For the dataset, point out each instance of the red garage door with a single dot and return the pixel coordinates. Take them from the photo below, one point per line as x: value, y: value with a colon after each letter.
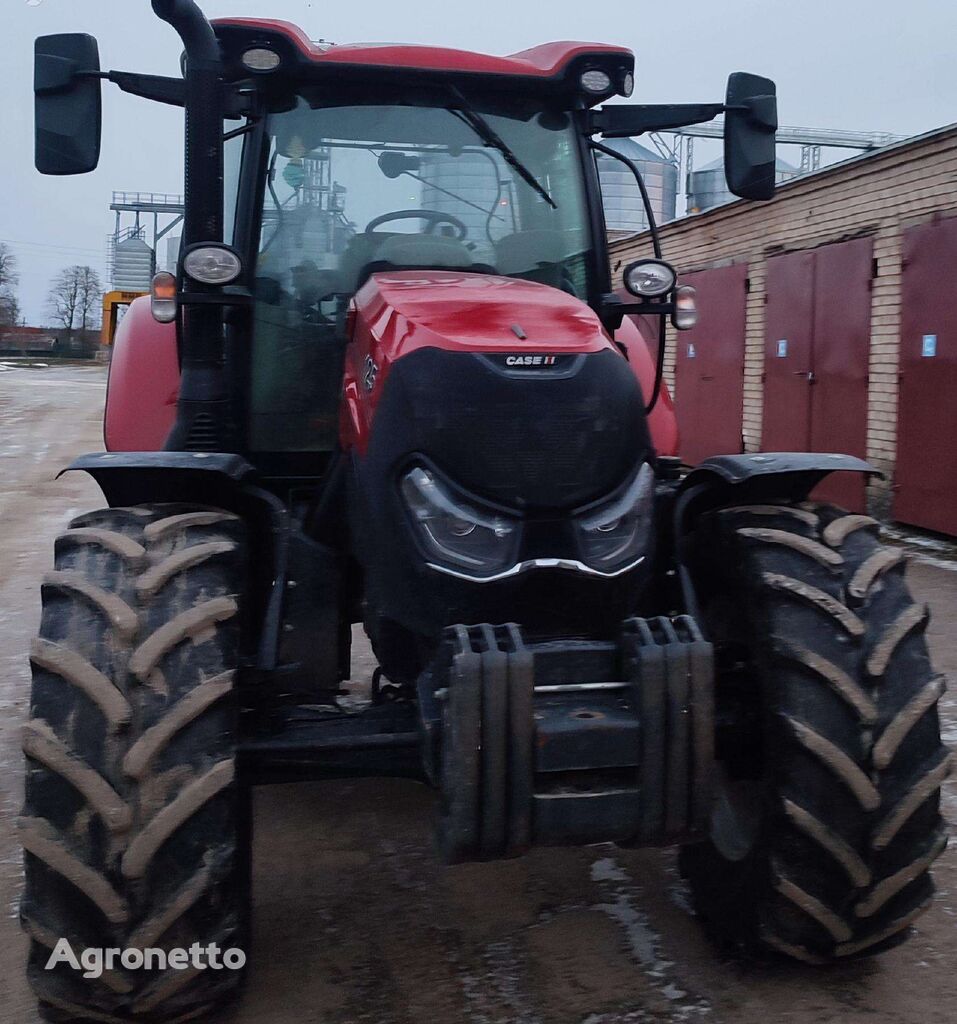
x: 925, y: 476
x: 817, y: 344
x: 709, y: 373
x: 789, y: 331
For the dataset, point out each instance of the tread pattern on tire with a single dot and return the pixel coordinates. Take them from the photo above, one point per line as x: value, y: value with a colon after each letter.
x: 854, y: 763
x: 131, y: 815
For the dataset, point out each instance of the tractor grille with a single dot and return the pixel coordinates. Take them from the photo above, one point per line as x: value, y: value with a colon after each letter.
x: 526, y: 441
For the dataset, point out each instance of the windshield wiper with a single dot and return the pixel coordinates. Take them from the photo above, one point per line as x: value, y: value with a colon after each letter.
x: 465, y: 112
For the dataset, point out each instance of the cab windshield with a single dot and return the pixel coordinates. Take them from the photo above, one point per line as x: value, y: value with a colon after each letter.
x: 356, y: 189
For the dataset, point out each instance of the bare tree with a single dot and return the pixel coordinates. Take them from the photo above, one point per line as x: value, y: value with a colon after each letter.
x: 64, y: 298
x: 9, y: 277
x: 91, y: 299
x: 9, y: 308
x: 74, y: 299
x: 8, y: 266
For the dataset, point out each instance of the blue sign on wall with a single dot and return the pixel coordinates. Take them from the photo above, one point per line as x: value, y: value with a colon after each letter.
x: 929, y: 347
x: 782, y: 348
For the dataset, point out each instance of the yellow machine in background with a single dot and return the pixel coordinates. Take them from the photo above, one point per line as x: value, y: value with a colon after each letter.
x: 112, y: 301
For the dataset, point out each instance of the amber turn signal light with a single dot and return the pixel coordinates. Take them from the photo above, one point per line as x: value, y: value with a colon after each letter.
x: 163, y: 303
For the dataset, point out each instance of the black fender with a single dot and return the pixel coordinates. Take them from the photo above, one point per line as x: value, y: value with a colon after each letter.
x: 135, y: 478
x: 760, y: 478
x: 769, y: 476
x: 285, y: 563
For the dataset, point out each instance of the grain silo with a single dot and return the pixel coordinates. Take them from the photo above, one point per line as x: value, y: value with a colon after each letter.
x: 707, y: 187
x: 473, y: 176
x: 133, y: 265
x: 624, y: 210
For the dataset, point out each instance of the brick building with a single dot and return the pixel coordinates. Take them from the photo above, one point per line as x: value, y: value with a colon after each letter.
x: 828, y: 253
x: 24, y: 341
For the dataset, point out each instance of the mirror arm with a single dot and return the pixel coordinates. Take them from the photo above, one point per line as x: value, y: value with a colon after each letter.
x: 622, y: 121
x: 151, y: 87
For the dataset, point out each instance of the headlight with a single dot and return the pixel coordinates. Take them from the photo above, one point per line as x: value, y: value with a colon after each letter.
x: 595, y: 81
x: 649, y: 279
x: 617, y: 534
x: 456, y: 533
x: 262, y: 59
x: 212, y: 264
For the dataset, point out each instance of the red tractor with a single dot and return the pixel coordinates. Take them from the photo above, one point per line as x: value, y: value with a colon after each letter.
x: 392, y: 384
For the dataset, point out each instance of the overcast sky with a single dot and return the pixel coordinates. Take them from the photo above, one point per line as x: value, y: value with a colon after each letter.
x: 867, y: 65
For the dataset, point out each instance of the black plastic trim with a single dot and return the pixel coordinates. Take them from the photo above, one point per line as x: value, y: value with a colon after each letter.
x: 626, y: 120
x: 764, y: 477
x: 737, y: 469
x: 131, y: 478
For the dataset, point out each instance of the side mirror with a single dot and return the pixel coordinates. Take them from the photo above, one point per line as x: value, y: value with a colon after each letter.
x: 750, y: 121
x: 68, y: 104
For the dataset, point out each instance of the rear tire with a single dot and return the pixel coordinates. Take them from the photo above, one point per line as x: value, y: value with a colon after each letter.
x: 133, y: 826
x: 827, y: 819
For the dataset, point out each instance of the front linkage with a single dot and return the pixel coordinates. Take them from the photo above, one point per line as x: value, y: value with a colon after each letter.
x: 530, y: 743
x: 570, y: 741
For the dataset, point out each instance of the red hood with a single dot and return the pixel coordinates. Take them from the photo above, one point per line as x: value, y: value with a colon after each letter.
x: 401, y: 312
x: 460, y: 312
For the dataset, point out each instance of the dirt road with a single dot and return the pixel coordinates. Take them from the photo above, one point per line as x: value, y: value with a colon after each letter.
x: 355, y: 920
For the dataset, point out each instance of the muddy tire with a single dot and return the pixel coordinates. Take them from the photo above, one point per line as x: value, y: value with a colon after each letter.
x: 133, y: 829
x: 827, y: 818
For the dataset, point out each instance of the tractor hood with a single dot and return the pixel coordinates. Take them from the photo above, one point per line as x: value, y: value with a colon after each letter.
x: 514, y: 398
x: 457, y: 312
x: 511, y: 385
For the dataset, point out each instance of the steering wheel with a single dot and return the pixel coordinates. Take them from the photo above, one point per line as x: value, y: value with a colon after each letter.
x: 433, y: 217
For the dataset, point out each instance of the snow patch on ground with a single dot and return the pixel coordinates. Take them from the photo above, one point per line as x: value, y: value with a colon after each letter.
x: 620, y: 904
x: 606, y: 869
x: 936, y: 551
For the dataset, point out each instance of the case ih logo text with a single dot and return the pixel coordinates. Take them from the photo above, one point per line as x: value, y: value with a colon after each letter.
x: 530, y: 360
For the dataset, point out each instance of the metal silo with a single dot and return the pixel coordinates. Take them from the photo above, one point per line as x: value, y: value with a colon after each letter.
x: 707, y: 187
x: 133, y: 265
x: 624, y: 210
x: 473, y: 176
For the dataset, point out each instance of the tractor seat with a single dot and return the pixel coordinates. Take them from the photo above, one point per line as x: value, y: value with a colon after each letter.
x: 538, y: 255
x: 372, y: 251
x: 526, y: 250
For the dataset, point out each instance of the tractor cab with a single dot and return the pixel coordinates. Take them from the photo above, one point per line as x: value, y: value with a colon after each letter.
x: 358, y: 185
x: 357, y: 160
x: 354, y: 161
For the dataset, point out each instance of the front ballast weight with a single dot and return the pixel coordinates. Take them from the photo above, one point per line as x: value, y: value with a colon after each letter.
x: 569, y: 741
